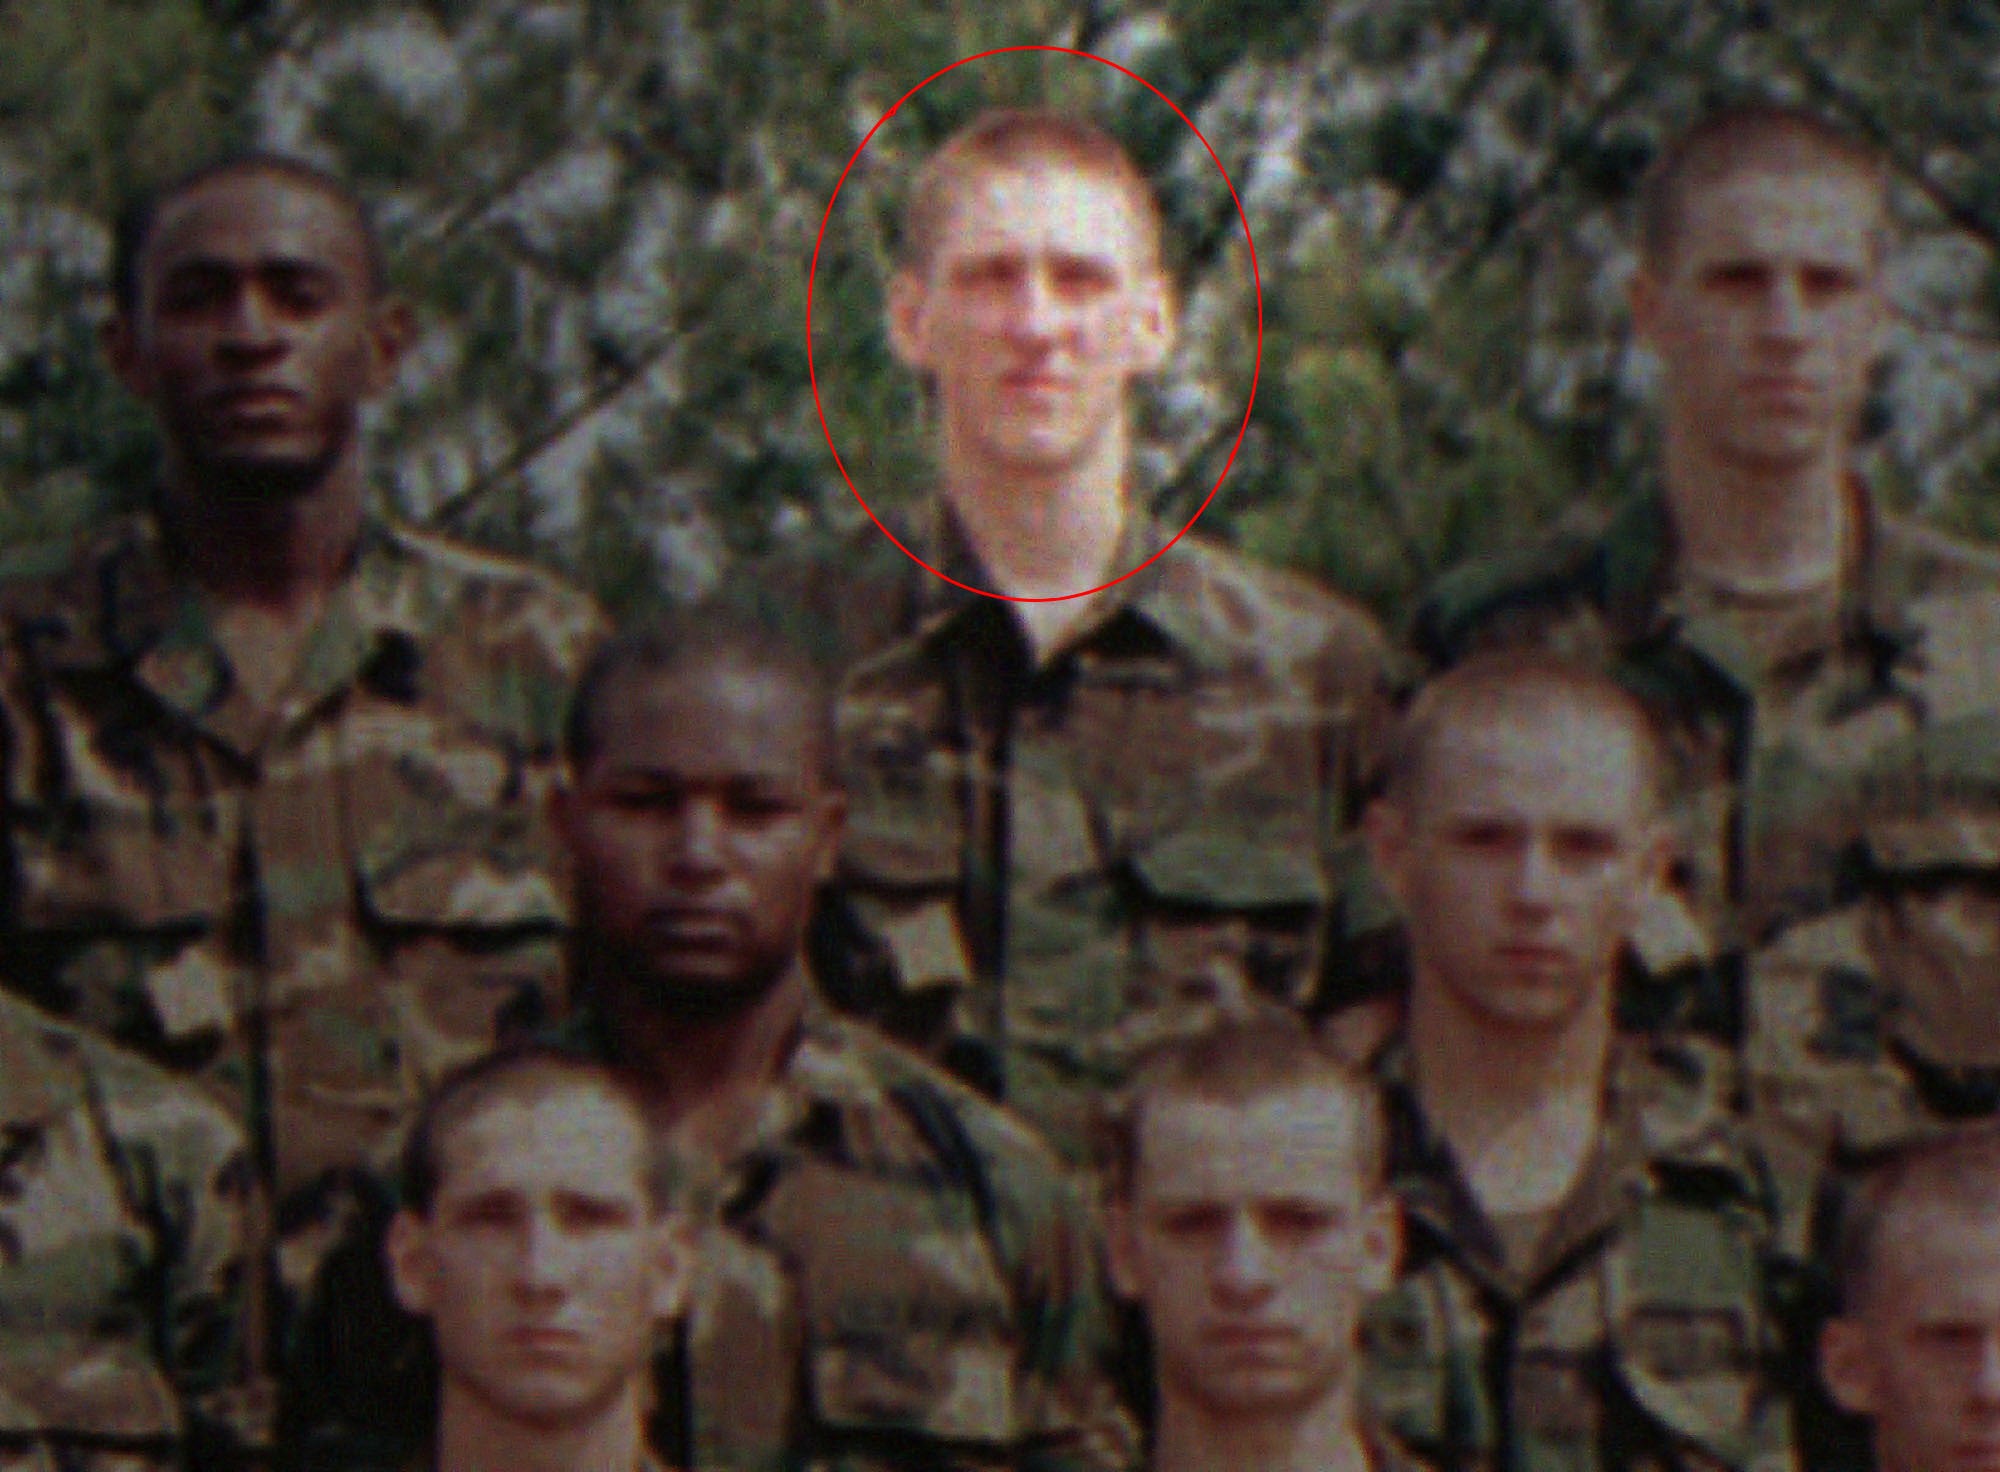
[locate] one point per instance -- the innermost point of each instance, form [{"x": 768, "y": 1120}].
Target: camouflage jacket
[
  {"x": 1067, "y": 863},
  {"x": 312, "y": 912},
  {"x": 122, "y": 1193},
  {"x": 891, "y": 1273},
  {"x": 1858, "y": 760},
  {"x": 894, "y": 1273},
  {"x": 1639, "y": 1339}
]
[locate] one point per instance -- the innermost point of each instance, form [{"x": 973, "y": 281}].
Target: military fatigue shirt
[
  {"x": 1854, "y": 758},
  {"x": 1636, "y": 1336},
  {"x": 1072, "y": 860},
  {"x": 315, "y": 909},
  {"x": 897, "y": 1275},
  {"x": 121, "y": 1256}
]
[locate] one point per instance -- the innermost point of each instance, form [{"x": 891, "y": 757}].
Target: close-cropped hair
[
  {"x": 702, "y": 637},
  {"x": 1730, "y": 138},
  {"x": 1954, "y": 1175},
  {"x": 1239, "y": 1061},
  {"x": 1015, "y": 138},
  {"x": 521, "y": 1073},
  {"x": 133, "y": 230},
  {"x": 1546, "y": 686}
]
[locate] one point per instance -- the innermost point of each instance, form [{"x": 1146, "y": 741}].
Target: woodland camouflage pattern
[
  {"x": 122, "y": 1195},
  {"x": 315, "y": 913},
  {"x": 1859, "y": 763},
  {"x": 1067, "y": 864},
  {"x": 1638, "y": 1339},
  {"x": 897, "y": 1275}
]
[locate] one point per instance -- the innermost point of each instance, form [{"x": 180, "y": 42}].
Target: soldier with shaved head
[
  {"x": 1252, "y": 1224},
  {"x": 1081, "y": 822},
  {"x": 1586, "y": 1230},
  {"x": 1915, "y": 1348},
  {"x": 274, "y": 764}
]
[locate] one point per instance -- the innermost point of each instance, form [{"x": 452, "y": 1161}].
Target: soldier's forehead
[{"x": 254, "y": 213}]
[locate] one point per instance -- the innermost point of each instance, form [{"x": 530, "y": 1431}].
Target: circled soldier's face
[
  {"x": 543, "y": 1267},
  {"x": 1921, "y": 1359},
  {"x": 1767, "y": 317},
  {"x": 1253, "y": 1243},
  {"x": 1042, "y": 300},
  {"x": 1523, "y": 860},
  {"x": 258, "y": 332},
  {"x": 700, "y": 833}
]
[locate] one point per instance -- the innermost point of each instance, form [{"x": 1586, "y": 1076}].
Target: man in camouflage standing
[
  {"x": 122, "y": 1192},
  {"x": 1081, "y": 823},
  {"x": 1584, "y": 1279},
  {"x": 902, "y": 1276},
  {"x": 1824, "y": 669},
  {"x": 274, "y": 766}
]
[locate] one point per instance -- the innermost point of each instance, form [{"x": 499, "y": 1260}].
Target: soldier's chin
[
  {"x": 702, "y": 987},
  {"x": 271, "y": 475}
]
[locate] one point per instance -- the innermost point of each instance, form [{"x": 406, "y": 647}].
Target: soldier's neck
[
  {"x": 1041, "y": 533},
  {"x": 474, "y": 1437},
  {"x": 277, "y": 551},
  {"x": 1194, "y": 1437},
  {"x": 705, "y": 1073},
  {"x": 1758, "y": 528},
  {"x": 1522, "y": 1107}
]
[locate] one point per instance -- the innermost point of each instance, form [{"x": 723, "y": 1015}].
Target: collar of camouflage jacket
[
  {"x": 1666, "y": 1126},
  {"x": 1154, "y": 596},
  {"x": 1637, "y": 559},
  {"x": 149, "y": 617},
  {"x": 826, "y": 1072}
]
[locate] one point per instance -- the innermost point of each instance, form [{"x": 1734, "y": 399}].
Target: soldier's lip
[
  {"x": 1251, "y": 1336},
  {"x": 694, "y": 924},
  {"x": 254, "y": 398},
  {"x": 1534, "y": 954},
  {"x": 543, "y": 1339}
]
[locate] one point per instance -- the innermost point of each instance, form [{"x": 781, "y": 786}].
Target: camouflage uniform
[
  {"x": 1638, "y": 1338},
  {"x": 896, "y": 1275},
  {"x": 891, "y": 1273},
  {"x": 311, "y": 911},
  {"x": 121, "y": 1256},
  {"x": 1790, "y": 762},
  {"x": 1068, "y": 863}
]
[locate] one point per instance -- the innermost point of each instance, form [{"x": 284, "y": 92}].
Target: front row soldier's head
[
  {"x": 1252, "y": 1224},
  {"x": 537, "y": 1241},
  {"x": 1915, "y": 1348},
  {"x": 1520, "y": 831}
]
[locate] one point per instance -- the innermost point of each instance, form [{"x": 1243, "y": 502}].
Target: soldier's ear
[
  {"x": 393, "y": 326},
  {"x": 412, "y": 1269},
  {"x": 909, "y": 304},
  {"x": 673, "y": 1266},
  {"x": 1381, "y": 1243},
  {"x": 1847, "y": 1365},
  {"x": 118, "y": 340},
  {"x": 1121, "y": 1249},
  {"x": 1385, "y": 828},
  {"x": 1642, "y": 299},
  {"x": 1153, "y": 325},
  {"x": 833, "y": 820}
]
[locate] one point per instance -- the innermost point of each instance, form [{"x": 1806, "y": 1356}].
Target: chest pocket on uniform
[
  {"x": 1684, "y": 1311},
  {"x": 1225, "y": 914},
  {"x": 908, "y": 1321}
]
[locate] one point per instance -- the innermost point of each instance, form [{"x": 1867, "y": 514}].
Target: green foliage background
[{"x": 605, "y": 209}]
